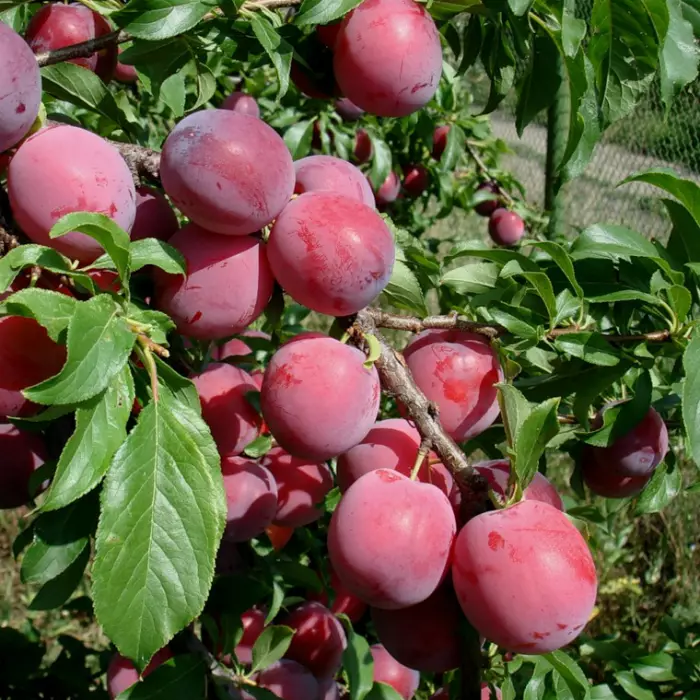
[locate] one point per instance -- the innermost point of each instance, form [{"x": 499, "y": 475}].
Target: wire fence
[{"x": 650, "y": 137}]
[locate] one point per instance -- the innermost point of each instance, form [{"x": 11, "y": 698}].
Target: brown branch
[
  {"x": 484, "y": 170},
  {"x": 81, "y": 50},
  {"x": 453, "y": 321},
  {"x": 142, "y": 161},
  {"x": 651, "y": 337},
  {"x": 397, "y": 381},
  {"x": 269, "y": 4}
]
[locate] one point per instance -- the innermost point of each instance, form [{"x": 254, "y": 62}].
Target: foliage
[{"x": 136, "y": 503}]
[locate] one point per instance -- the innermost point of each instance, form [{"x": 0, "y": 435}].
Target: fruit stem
[
  {"x": 146, "y": 357},
  {"x": 420, "y": 457}
]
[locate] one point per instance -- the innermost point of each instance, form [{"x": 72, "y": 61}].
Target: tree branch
[
  {"x": 452, "y": 321},
  {"x": 81, "y": 50},
  {"x": 484, "y": 170},
  {"x": 651, "y": 337},
  {"x": 397, "y": 381}
]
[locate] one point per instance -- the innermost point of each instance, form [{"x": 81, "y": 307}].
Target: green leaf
[
  {"x": 100, "y": 429},
  {"x": 571, "y": 673},
  {"x": 516, "y": 409},
  {"x": 160, "y": 19},
  {"x": 258, "y": 447},
  {"x": 173, "y": 93},
  {"x": 206, "y": 85},
  {"x": 519, "y": 7},
  {"x": 631, "y": 686},
  {"x": 680, "y": 300},
  {"x": 277, "y": 48},
  {"x": 691, "y": 397},
  {"x": 625, "y": 295},
  {"x": 591, "y": 347},
  {"x": 99, "y": 345},
  {"x": 381, "y": 161},
  {"x": 562, "y": 259},
  {"x": 59, "y": 539},
  {"x": 475, "y": 278},
  {"x": 536, "y": 430},
  {"x": 535, "y": 688},
  {"x": 81, "y": 87},
  {"x": 624, "y": 44},
  {"x": 106, "y": 232},
  {"x": 163, "y": 515},
  {"x": 323, "y": 11},
  {"x": 612, "y": 242},
  {"x": 665, "y": 484},
  {"x": 158, "y": 324},
  {"x": 656, "y": 668},
  {"x": 12, "y": 263},
  {"x": 299, "y": 137},
  {"x": 539, "y": 84},
  {"x": 684, "y": 242},
  {"x": 271, "y": 646},
  {"x": 404, "y": 291},
  {"x": 454, "y": 148},
  {"x": 52, "y": 310},
  {"x": 180, "y": 678},
  {"x": 57, "y": 591},
  {"x": 679, "y": 57},
  {"x": 591, "y": 385},
  {"x": 180, "y": 388},
  {"x": 685, "y": 191},
  {"x": 358, "y": 663},
  {"x": 149, "y": 251}
]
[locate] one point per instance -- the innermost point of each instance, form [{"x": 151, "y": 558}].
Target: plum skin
[
  {"x": 227, "y": 287},
  {"x": 302, "y": 407},
  {"x": 228, "y": 172},
  {"x": 458, "y": 371},
  {"x": 524, "y": 577},
  {"x": 301, "y": 486},
  {"x": 155, "y": 217},
  {"x": 20, "y": 86},
  {"x": 22, "y": 453},
  {"x": 233, "y": 421},
  {"x": 387, "y": 669},
  {"x": 506, "y": 228},
  {"x": 243, "y": 103},
  {"x": 387, "y": 57},
  {"x": 94, "y": 179},
  {"x": 332, "y": 254},
  {"x": 390, "y": 539},
  {"x": 330, "y": 174},
  {"x": 122, "y": 674}
]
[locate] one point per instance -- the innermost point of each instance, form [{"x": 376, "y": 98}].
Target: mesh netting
[{"x": 649, "y": 137}]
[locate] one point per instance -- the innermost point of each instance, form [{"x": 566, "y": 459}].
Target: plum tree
[
  {"x": 497, "y": 473},
  {"x": 362, "y": 149},
  {"x": 22, "y": 453},
  {"x": 301, "y": 487},
  {"x": 426, "y": 636},
  {"x": 242, "y": 103},
  {"x": 56, "y": 25},
  {"x": 390, "y": 539},
  {"x": 233, "y": 421},
  {"x": 388, "y": 670},
  {"x": 458, "y": 371},
  {"x": 506, "y": 228},
  {"x": 25, "y": 346},
  {"x": 20, "y": 87},
  {"x": 638, "y": 452},
  {"x": 415, "y": 180},
  {"x": 122, "y": 674},
  {"x": 344, "y": 602},
  {"x": 251, "y": 494},
  {"x": 389, "y": 190},
  {"x": 301, "y": 406},
  {"x": 391, "y": 444},
  {"x": 228, "y": 172},
  {"x": 227, "y": 287},
  {"x": 155, "y": 217},
  {"x": 319, "y": 639},
  {"x": 330, "y": 174},
  {"x": 288, "y": 680},
  {"x": 528, "y": 557},
  {"x": 387, "y": 57},
  {"x": 330, "y": 253},
  {"x": 94, "y": 179},
  {"x": 486, "y": 693},
  {"x": 440, "y": 140},
  {"x": 349, "y": 111},
  {"x": 488, "y": 206}
]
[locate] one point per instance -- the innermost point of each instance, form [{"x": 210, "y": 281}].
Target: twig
[
  {"x": 381, "y": 319},
  {"x": 269, "y": 4},
  {"x": 81, "y": 50},
  {"x": 147, "y": 343},
  {"x": 397, "y": 381},
  {"x": 222, "y": 676},
  {"x": 651, "y": 337},
  {"x": 484, "y": 170}
]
